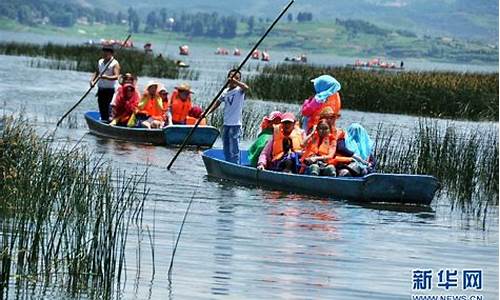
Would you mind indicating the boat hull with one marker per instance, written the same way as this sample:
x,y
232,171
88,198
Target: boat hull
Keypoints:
x,y
395,188
203,136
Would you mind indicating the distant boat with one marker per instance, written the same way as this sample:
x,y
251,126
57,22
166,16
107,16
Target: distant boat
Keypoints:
x,y
265,56
302,59
184,50
181,64
376,64
236,52
221,51
256,54
116,43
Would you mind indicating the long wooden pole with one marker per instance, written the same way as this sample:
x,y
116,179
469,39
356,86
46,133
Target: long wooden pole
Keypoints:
x,y
225,85
92,85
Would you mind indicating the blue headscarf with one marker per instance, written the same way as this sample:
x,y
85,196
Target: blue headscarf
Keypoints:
x,y
325,86
358,141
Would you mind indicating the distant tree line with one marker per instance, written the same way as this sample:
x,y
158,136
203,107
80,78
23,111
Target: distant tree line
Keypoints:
x,y
355,27
33,12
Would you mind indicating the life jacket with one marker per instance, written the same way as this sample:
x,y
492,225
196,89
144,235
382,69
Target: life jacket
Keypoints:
x,y
278,136
179,108
313,149
333,101
192,121
152,107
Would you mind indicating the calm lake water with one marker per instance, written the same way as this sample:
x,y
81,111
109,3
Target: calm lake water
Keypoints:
x,y
243,242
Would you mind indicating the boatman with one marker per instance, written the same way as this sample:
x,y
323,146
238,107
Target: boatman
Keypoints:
x,y
107,82
233,97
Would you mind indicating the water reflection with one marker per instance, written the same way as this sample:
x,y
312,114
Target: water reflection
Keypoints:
x,y
223,245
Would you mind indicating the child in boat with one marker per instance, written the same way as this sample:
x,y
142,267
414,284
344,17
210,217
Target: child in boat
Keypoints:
x,y
319,150
167,116
266,132
327,95
126,103
150,108
194,114
180,103
233,97
282,151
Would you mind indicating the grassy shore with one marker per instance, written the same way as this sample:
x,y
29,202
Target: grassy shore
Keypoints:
x,y
84,58
65,215
471,96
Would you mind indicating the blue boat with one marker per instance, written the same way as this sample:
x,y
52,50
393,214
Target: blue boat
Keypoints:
x,y
376,187
203,136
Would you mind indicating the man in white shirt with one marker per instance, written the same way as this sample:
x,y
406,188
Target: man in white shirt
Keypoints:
x,y
233,97
107,82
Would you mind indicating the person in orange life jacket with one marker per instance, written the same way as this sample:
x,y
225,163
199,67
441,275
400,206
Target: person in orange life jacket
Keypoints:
x,y
126,78
107,82
327,95
180,103
318,151
282,151
167,116
193,116
233,97
125,105
150,108
343,156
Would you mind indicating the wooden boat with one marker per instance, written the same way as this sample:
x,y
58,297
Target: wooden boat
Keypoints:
x,y
395,188
204,136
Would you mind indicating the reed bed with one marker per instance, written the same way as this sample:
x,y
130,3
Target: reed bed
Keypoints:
x,y
466,164
65,216
84,58
472,96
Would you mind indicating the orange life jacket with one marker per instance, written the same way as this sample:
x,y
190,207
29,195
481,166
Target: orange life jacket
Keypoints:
x,y
179,108
152,107
278,136
313,148
192,121
333,101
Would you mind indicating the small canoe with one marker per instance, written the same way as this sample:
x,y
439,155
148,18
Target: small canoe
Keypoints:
x,y
394,188
204,136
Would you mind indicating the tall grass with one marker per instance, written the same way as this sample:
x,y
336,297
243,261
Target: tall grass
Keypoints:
x,y
84,58
64,215
472,96
466,164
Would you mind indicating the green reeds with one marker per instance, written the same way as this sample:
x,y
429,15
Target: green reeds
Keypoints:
x,y
84,58
65,215
472,96
466,164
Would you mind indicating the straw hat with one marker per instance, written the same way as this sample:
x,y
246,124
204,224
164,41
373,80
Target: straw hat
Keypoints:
x,y
184,87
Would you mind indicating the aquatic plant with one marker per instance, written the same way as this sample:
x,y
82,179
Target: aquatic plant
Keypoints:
x,y
472,96
65,215
84,58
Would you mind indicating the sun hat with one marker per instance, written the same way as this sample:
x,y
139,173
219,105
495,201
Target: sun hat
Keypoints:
x,y
288,117
184,87
273,115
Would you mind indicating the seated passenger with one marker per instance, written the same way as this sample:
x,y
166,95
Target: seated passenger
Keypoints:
x,y
283,148
319,150
125,106
266,132
327,95
150,108
194,114
167,116
122,80
180,103
359,142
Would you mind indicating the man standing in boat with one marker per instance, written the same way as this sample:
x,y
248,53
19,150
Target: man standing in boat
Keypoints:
x,y
233,97
107,82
